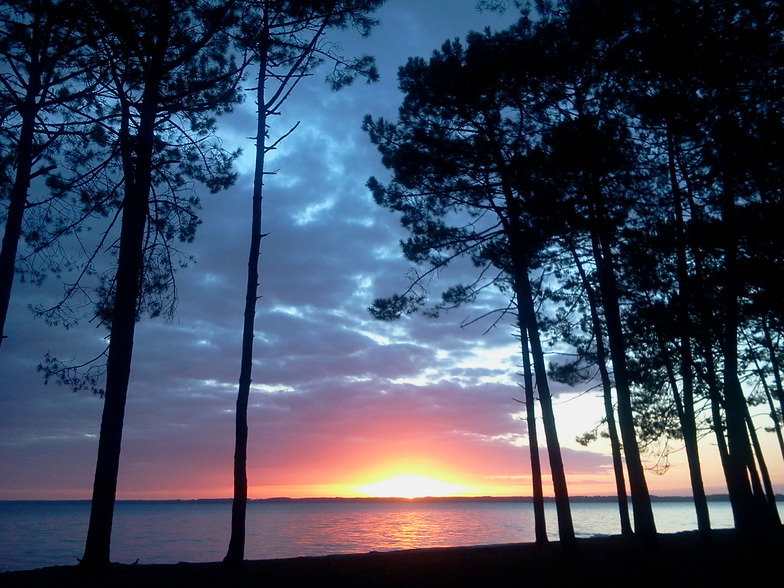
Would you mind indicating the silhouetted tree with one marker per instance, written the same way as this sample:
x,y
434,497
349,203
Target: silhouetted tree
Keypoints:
x,y
663,145
658,320
42,85
590,154
286,42
170,73
457,152
590,348
708,75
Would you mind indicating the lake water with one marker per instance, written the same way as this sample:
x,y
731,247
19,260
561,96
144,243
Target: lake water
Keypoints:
x,y
37,534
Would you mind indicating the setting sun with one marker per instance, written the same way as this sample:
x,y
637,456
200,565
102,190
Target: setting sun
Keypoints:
x,y
411,487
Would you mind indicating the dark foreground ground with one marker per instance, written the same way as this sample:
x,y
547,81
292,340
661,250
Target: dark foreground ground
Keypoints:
x,y
679,559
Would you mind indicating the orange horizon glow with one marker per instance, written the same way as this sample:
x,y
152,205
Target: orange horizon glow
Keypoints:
x,y
412,478
411,486
378,474
404,484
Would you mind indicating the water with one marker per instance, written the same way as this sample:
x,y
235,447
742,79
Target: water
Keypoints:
x,y
38,534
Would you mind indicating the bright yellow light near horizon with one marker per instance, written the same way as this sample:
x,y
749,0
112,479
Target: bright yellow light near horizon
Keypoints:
x,y
411,487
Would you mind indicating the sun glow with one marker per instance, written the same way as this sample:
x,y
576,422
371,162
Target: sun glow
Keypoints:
x,y
411,487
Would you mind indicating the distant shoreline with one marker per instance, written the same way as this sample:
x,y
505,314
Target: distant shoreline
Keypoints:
x,y
369,499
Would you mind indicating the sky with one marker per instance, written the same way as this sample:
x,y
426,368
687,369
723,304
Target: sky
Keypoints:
x,y
341,405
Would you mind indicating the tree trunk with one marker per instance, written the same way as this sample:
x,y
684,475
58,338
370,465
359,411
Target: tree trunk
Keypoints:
x,y
688,419
765,498
615,449
540,522
768,396
137,155
19,190
700,325
773,415
130,267
748,518
527,318
644,524
774,363
609,411
236,551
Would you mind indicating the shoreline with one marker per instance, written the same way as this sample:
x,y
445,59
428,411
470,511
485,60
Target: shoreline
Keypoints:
x,y
677,559
316,499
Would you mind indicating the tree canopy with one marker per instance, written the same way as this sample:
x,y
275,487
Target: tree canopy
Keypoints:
x,y
575,141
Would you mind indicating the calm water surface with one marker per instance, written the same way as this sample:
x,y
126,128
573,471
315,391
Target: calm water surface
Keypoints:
x,y
37,534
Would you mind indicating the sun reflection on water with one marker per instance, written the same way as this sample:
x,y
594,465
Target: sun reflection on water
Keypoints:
x,y
411,529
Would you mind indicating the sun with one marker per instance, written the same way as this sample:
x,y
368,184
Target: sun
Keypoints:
x,y
410,487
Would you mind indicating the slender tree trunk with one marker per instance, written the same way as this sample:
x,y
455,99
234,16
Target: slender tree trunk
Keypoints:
x,y
688,424
748,519
703,321
775,365
644,524
773,415
527,317
617,457
691,444
609,410
768,396
688,419
767,497
137,155
540,522
124,314
739,451
718,419
19,190
236,551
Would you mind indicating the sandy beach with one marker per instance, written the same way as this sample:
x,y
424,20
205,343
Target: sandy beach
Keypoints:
x,y
679,559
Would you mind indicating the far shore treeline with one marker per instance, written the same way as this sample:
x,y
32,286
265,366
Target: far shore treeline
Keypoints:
x,y
387,499
613,168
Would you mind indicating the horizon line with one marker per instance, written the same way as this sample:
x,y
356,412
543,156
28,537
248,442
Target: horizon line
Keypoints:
x,y
477,498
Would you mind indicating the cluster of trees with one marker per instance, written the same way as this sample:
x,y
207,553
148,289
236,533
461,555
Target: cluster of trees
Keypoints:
x,y
108,121
614,166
